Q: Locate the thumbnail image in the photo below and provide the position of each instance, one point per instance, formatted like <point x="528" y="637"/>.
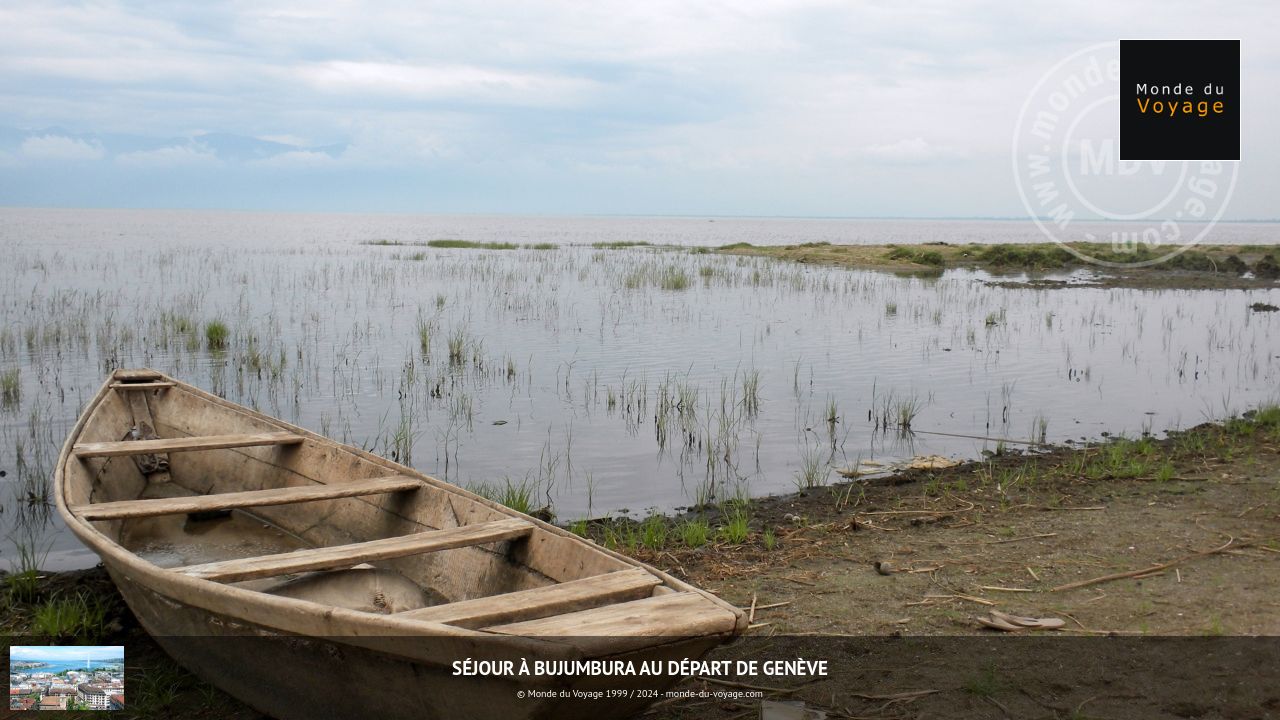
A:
<point x="58" y="677"/>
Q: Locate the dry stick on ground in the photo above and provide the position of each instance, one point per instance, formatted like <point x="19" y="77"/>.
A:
<point x="1147" y="570"/>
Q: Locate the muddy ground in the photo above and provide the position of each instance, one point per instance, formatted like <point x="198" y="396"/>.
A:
<point x="1176" y="537"/>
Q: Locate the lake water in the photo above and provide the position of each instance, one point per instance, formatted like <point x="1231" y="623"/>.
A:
<point x="602" y="379"/>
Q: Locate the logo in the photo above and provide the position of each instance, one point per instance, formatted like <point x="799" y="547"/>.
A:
<point x="1072" y="176"/>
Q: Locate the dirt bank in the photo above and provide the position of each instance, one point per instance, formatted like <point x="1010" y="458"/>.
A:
<point x="1202" y="267"/>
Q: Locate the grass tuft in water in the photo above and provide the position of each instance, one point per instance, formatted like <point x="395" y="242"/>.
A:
<point x="517" y="496"/>
<point x="471" y="244"/>
<point x="216" y="335"/>
<point x="10" y="388"/>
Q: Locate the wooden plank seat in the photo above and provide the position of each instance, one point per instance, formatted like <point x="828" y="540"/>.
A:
<point x="341" y="556"/>
<point x="244" y="499"/>
<point x="615" y="628"/>
<point x="565" y="597"/>
<point x="142" y="385"/>
<point x="184" y="444"/>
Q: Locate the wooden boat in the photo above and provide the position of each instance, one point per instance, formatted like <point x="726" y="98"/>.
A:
<point x="311" y="579"/>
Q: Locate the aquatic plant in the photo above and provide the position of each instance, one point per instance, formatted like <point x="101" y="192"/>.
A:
<point x="471" y="244"/>
<point x="813" y="471"/>
<point x="216" y="334"/>
<point x="10" y="388"/>
<point x="518" y="496"/>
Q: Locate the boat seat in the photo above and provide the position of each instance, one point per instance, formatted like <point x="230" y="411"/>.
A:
<point x="343" y="556"/>
<point x="571" y="596"/>
<point x="616" y="628"/>
<point x="184" y="444"/>
<point x="250" y="498"/>
<point x="158" y="384"/>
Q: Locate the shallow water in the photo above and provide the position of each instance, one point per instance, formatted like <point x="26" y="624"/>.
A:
<point x="601" y="380"/>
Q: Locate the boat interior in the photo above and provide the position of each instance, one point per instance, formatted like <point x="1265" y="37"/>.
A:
<point x="202" y="487"/>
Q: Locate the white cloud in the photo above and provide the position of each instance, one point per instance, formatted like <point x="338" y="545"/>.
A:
<point x="910" y="151"/>
<point x="60" y="147"/>
<point x="309" y="159"/>
<point x="169" y="157"/>
<point x="425" y="82"/>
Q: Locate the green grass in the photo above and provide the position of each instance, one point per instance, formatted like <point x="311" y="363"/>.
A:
<point x="471" y="245"/>
<point x="543" y="246"/>
<point x="158" y="689"/>
<point x="425" y="330"/>
<point x="674" y="278"/>
<point x="1266" y="418"/>
<point x="932" y="258"/>
<point x="736" y="528"/>
<point x="694" y="532"/>
<point x="457" y="347"/>
<point x="620" y="244"/>
<point x="653" y="532"/>
<point x="770" y="540"/>
<point x="22" y="584"/>
<point x="216" y="334"/>
<point x="813" y="471"/>
<point x="10" y="387"/>
<point x="736" y="246"/>
<point x="81" y="617"/>
<point x="1267" y="267"/>
<point x="1123" y="459"/>
<point x="517" y="496"/>
<point x="1031" y="257"/>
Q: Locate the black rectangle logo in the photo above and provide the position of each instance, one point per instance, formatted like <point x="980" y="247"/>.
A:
<point x="1180" y="99"/>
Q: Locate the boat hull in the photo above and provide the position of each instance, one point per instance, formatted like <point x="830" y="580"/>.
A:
<point x="291" y="657"/>
<point x="294" y="677"/>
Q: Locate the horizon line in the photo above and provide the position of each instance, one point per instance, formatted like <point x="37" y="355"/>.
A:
<point x="682" y="216"/>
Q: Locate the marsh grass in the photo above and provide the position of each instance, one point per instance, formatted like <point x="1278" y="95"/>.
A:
<point x="620" y="244"/>
<point x="10" y="388"/>
<point x="920" y="256"/>
<point x="471" y="244"/>
<point x="813" y="471"/>
<point x="674" y="278"/>
<point x="425" y="330"/>
<point x="22" y="584"/>
<point x="216" y="335"/>
<point x="519" y="496"/>
<point x="751" y="392"/>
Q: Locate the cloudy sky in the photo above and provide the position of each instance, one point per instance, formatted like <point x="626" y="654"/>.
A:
<point x="752" y="107"/>
<point x="66" y="653"/>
